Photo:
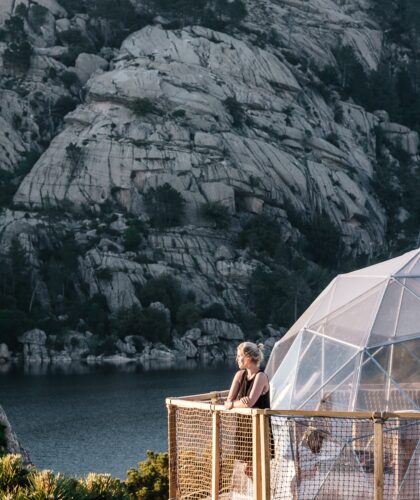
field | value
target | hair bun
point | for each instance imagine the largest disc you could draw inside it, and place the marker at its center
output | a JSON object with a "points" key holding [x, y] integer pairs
{"points": [[261, 346]]}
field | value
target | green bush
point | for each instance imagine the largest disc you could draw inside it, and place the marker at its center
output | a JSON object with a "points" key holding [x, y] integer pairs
{"points": [[104, 487], [18, 54], [215, 310], [217, 213], [236, 111], [151, 480], [142, 106], [165, 206], [37, 16], [151, 323], [132, 239], [165, 289], [69, 78], [261, 234], [62, 106], [187, 316], [154, 325], [13, 474], [3, 441]]}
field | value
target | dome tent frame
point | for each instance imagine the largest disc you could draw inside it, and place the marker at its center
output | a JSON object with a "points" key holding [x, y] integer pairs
{"points": [[357, 347]]}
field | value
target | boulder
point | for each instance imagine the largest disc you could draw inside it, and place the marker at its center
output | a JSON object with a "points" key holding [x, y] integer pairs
{"points": [[186, 347], [158, 306], [87, 64], [12, 444], [194, 334], [33, 337], [4, 353], [221, 329], [207, 340], [126, 346]]}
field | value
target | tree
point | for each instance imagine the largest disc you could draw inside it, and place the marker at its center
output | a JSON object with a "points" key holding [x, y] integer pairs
{"points": [[132, 239], [165, 289], [151, 480], [261, 234], [165, 206], [217, 213]]}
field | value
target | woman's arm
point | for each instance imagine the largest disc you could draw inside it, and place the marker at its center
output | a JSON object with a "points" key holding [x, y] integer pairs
{"points": [[234, 389], [259, 387]]}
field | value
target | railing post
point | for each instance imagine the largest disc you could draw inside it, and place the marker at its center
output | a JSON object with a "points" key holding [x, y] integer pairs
{"points": [[378, 429], [265, 456], [215, 459], [256, 455], [172, 451]]}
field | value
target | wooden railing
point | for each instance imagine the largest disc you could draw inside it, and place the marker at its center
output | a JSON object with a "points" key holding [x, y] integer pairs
{"points": [[268, 454]]}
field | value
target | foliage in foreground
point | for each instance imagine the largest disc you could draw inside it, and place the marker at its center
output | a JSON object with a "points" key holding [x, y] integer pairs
{"points": [[148, 482]]}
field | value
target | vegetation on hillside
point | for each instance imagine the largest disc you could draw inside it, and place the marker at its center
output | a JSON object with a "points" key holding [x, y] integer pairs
{"points": [[148, 482]]}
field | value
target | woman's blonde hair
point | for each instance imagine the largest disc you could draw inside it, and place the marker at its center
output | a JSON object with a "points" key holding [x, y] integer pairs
{"points": [[253, 351]]}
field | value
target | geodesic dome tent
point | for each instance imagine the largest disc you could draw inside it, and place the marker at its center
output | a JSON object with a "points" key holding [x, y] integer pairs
{"points": [[357, 347]]}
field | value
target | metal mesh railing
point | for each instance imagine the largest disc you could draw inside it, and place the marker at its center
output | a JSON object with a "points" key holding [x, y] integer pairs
{"points": [[401, 457], [236, 466], [192, 453], [261, 454], [321, 458]]}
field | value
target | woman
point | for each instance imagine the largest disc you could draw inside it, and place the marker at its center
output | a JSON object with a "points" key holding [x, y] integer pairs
{"points": [[250, 386], [250, 389]]}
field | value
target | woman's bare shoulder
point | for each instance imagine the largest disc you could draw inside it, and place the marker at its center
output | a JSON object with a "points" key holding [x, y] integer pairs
{"points": [[239, 374]]}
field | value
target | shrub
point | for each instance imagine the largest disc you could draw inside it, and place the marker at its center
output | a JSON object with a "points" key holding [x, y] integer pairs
{"points": [[217, 213], [142, 106], [164, 205], [154, 325], [63, 105], [165, 289], [21, 10], [8, 188], [74, 153], [179, 113], [104, 487], [261, 234], [28, 161], [215, 310], [69, 78], [236, 111], [13, 474], [13, 322], [104, 274], [132, 239], [150, 480], [37, 16], [187, 316], [18, 54]]}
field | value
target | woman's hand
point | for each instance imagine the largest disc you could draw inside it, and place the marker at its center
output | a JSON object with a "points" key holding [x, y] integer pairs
{"points": [[228, 405], [246, 401]]}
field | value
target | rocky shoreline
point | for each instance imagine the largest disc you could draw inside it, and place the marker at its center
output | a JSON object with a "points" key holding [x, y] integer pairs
{"points": [[212, 340]]}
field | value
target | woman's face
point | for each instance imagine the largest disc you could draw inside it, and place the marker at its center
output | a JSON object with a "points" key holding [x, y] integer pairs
{"points": [[242, 360]]}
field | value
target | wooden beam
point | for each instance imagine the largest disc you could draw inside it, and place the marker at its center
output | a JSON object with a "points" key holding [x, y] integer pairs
{"points": [[265, 456], [378, 427], [256, 457], [172, 452], [215, 473]]}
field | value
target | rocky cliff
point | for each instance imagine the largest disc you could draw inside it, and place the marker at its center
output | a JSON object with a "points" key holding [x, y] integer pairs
{"points": [[8, 439], [276, 169]]}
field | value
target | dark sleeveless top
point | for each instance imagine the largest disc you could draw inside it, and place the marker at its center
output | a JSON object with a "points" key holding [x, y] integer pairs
{"points": [[245, 390]]}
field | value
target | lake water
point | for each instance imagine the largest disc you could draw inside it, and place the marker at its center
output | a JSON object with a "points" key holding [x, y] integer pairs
{"points": [[82, 419]]}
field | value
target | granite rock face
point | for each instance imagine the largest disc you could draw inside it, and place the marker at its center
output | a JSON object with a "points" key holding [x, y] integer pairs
{"points": [[12, 443], [234, 120], [192, 142]]}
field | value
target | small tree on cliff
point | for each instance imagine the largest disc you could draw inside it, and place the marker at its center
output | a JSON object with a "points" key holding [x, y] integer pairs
{"points": [[165, 206]]}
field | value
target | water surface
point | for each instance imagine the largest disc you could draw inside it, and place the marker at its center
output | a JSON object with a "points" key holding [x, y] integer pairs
{"points": [[82, 419]]}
